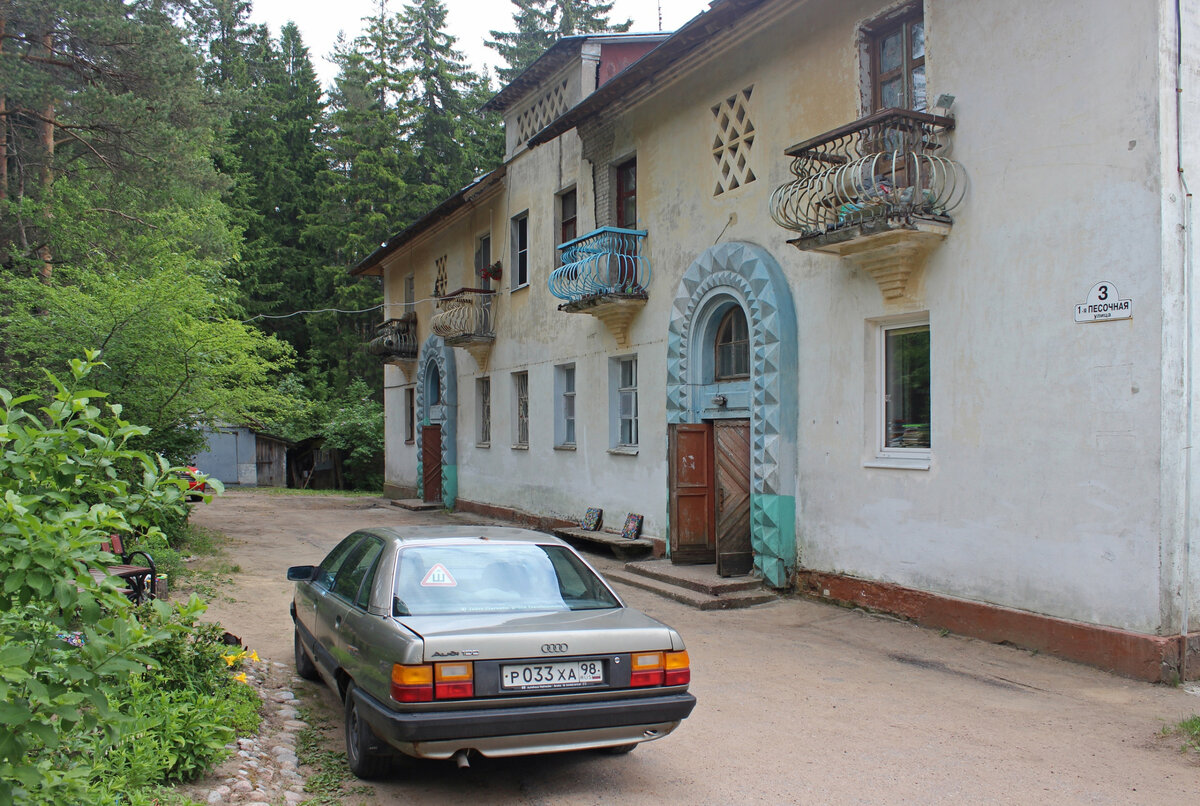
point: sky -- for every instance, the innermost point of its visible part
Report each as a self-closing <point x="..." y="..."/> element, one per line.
<point x="468" y="20"/>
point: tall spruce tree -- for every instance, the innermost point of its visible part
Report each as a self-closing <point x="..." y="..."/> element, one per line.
<point x="541" y="23"/>
<point x="441" y="86"/>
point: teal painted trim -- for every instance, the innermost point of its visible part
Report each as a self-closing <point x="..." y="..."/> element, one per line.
<point x="449" y="485"/>
<point x="773" y="537"/>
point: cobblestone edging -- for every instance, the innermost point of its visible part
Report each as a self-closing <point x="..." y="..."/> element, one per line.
<point x="263" y="770"/>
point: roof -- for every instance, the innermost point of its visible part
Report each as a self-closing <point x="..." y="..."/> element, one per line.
<point x="372" y="263"/>
<point x="551" y="61"/>
<point x="641" y="77"/>
<point x="465" y="533"/>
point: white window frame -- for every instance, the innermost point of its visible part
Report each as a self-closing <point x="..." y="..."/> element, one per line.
<point x="882" y="454"/>
<point x="410" y="293"/>
<point x="483" y="412"/>
<point x="623" y="405"/>
<point x="565" y="422"/>
<point x="520" y="257"/>
<point x="410" y="415"/>
<point x="520" y="407"/>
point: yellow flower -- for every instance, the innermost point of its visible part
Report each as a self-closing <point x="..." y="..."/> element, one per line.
<point x="241" y="678"/>
<point x="234" y="658"/>
<point x="254" y="656"/>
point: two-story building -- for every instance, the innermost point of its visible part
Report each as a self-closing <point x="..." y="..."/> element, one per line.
<point x="887" y="303"/>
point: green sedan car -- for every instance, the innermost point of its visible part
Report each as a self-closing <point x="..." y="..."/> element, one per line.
<point x="447" y="641"/>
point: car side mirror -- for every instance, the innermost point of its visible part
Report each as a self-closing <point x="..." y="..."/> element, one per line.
<point x="301" y="573"/>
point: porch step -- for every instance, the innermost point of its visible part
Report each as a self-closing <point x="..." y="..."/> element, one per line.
<point x="724" y="595"/>
<point x="623" y="547"/>
<point x="416" y="504"/>
<point x="700" y="578"/>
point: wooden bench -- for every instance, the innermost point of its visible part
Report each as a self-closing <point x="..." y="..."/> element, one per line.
<point x="623" y="547"/>
<point x="138" y="579"/>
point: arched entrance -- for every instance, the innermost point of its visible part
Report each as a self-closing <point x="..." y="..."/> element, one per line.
<point x="437" y="408"/>
<point x="703" y="406"/>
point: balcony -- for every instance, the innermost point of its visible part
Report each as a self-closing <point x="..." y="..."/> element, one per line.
<point x="604" y="275"/>
<point x="878" y="192"/>
<point x="396" y="340"/>
<point x="465" y="320"/>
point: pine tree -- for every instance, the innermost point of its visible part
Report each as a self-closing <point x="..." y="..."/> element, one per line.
<point x="541" y="23"/>
<point x="440" y="85"/>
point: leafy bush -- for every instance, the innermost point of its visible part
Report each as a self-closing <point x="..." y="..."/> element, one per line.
<point x="75" y="655"/>
<point x="356" y="426"/>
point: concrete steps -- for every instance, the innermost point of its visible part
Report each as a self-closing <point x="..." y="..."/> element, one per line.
<point x="417" y="505"/>
<point x="697" y="586"/>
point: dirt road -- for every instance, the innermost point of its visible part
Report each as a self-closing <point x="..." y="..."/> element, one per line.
<point x="799" y="702"/>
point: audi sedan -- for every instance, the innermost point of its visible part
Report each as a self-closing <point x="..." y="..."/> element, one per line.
<point x="448" y="641"/>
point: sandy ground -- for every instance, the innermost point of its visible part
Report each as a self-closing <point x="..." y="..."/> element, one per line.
<point x="799" y="702"/>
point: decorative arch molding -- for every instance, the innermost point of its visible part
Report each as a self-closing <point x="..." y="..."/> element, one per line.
<point x="437" y="357"/>
<point x="748" y="274"/>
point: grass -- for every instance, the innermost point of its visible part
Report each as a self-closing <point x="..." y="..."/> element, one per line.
<point x="1189" y="729"/>
<point x="331" y="778"/>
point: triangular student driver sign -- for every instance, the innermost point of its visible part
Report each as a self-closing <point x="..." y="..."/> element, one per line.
<point x="438" y="577"/>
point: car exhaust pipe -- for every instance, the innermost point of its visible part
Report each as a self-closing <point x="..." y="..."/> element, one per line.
<point x="461" y="759"/>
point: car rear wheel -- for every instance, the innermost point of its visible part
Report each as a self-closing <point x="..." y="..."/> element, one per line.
<point x="364" y="753"/>
<point x="304" y="665"/>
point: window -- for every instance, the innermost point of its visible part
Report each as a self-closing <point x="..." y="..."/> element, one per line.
<point x="349" y="580"/>
<point x="564" y="420"/>
<point x="483" y="413"/>
<point x="483" y="260"/>
<point x="624" y="379"/>
<point x="905" y="400"/>
<point x="433" y="386"/>
<point x="897" y="53"/>
<point x="410" y="415"/>
<point x="521" y="407"/>
<point x="410" y="294"/>
<point x="627" y="194"/>
<point x="733" y="346"/>
<point x="567" y="216"/>
<point x="520" y="251"/>
<point x="329" y="566"/>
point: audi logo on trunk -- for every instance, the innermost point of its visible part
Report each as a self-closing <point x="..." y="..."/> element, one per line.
<point x="553" y="648"/>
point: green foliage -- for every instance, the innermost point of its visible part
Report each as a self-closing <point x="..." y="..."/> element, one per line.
<point x="1189" y="729"/>
<point x="356" y="426"/>
<point x="71" y="645"/>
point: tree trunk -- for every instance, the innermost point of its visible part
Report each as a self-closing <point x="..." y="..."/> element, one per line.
<point x="45" y="131"/>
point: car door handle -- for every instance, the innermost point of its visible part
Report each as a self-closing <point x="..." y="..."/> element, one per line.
<point x="337" y="623"/>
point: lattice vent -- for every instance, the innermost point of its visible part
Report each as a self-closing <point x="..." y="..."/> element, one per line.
<point x="544" y="111"/>
<point x="439" y="285"/>
<point x="732" y="143"/>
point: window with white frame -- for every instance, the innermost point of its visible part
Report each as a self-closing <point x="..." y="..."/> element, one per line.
<point x="564" y="393"/>
<point x="521" y="409"/>
<point x="483" y="261"/>
<point x="567" y="216"/>
<point x="410" y="294"/>
<point x="520" y="250"/>
<point x="483" y="411"/>
<point x="904" y="384"/>
<point x="624" y="400"/>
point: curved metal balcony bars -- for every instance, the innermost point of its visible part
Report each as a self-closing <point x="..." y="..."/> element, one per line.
<point x="606" y="261"/>
<point x="893" y="164"/>
<point x="465" y="313"/>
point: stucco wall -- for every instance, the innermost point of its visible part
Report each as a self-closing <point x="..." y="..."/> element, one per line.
<point x="1049" y="488"/>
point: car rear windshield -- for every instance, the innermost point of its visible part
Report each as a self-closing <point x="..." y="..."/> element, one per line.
<point x="495" y="578"/>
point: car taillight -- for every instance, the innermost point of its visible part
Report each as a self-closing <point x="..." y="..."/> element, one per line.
<point x="646" y="669"/>
<point x="660" y="668"/>
<point x="453" y="680"/>
<point x="412" y="683"/>
<point x="679" y="668"/>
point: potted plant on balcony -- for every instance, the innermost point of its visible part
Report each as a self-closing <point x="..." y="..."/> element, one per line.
<point x="492" y="272"/>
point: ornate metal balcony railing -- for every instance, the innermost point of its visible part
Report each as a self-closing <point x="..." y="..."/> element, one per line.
<point x="891" y="166"/>
<point x="605" y="262"/>
<point x="396" y="339"/>
<point x="465" y="315"/>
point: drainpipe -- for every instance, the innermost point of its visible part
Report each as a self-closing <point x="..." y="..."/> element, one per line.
<point x="1188" y="346"/>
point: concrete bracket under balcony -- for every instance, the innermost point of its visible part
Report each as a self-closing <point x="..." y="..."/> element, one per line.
<point x="604" y="275"/>
<point x="893" y="253"/>
<point x="877" y="192"/>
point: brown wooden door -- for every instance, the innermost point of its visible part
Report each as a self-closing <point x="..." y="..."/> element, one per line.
<point x="431" y="460"/>
<point x="731" y="454"/>
<point x="690" y="489"/>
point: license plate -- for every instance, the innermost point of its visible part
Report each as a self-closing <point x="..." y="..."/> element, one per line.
<point x="552" y="675"/>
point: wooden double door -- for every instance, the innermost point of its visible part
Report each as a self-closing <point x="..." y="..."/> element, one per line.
<point x="709" y="488"/>
<point x="431" y="463"/>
